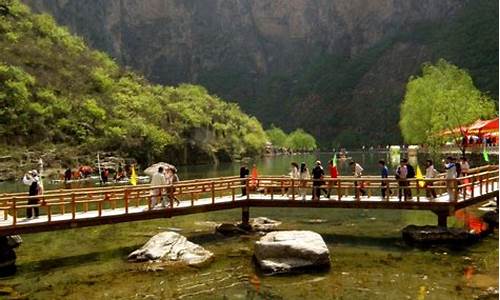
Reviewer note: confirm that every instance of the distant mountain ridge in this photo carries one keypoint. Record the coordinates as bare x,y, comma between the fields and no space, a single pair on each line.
336,68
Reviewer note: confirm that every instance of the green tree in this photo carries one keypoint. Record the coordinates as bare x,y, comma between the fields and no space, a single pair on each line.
276,136
299,140
443,98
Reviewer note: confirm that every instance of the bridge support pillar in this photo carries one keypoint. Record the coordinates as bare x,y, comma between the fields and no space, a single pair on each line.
245,218
442,217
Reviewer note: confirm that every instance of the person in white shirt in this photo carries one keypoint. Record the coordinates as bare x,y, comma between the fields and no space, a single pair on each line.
294,175
464,166
157,180
430,172
33,181
304,178
401,175
451,175
357,171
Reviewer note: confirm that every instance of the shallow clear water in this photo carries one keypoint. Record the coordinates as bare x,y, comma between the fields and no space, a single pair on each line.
369,259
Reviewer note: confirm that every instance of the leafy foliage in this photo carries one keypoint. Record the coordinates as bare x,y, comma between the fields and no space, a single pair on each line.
53,89
299,140
443,98
276,136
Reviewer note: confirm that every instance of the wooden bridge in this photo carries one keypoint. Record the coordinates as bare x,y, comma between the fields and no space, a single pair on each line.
62,209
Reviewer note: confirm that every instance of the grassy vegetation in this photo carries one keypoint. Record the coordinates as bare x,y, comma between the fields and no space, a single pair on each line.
55,90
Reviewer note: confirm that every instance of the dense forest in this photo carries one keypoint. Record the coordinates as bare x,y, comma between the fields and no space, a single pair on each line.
55,92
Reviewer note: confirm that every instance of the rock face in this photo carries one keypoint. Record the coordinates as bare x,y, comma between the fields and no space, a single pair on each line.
286,251
256,52
8,255
171,246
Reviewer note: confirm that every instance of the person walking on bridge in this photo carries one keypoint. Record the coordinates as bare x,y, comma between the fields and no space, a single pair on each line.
244,172
357,171
401,175
172,179
157,180
430,173
384,174
304,178
451,175
294,175
318,173
33,181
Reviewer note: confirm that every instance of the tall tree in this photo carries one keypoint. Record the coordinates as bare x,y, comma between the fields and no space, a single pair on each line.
442,99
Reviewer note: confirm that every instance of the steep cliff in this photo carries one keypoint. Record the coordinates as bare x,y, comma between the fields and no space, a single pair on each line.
319,64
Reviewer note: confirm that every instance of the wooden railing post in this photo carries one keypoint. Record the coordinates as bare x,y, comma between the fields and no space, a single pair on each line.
49,213
247,189
339,189
293,189
213,192
418,190
125,198
473,186
73,206
480,185
455,185
14,211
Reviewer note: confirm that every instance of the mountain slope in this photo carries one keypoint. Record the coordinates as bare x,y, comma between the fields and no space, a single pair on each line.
55,90
336,68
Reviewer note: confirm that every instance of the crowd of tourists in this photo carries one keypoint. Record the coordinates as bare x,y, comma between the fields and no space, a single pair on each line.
403,174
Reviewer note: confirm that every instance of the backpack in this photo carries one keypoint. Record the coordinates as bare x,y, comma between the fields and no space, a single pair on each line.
411,171
33,188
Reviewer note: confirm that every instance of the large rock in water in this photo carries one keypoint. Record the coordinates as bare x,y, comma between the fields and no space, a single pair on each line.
432,235
171,246
8,255
286,251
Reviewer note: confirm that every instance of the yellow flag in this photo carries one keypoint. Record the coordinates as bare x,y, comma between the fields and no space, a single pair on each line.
419,175
133,177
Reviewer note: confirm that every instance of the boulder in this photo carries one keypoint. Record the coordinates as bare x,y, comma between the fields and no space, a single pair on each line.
230,229
8,255
287,251
431,235
256,224
264,224
171,247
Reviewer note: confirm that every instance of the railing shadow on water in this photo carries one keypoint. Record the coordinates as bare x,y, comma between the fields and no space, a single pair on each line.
62,262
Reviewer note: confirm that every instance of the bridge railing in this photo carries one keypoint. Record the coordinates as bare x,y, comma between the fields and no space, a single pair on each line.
92,203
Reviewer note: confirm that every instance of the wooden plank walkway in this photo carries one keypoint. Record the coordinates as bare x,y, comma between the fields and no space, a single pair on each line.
91,207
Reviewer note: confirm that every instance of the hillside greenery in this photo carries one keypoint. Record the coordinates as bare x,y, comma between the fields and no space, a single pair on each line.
298,140
440,100
55,90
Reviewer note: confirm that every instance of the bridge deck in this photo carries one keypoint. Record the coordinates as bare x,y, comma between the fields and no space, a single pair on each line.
482,186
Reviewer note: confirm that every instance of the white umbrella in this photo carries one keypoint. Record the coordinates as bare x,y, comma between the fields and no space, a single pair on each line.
154,168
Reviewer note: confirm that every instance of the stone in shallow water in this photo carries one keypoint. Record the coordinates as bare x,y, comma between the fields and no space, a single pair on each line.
286,251
264,224
8,255
428,235
256,224
171,246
